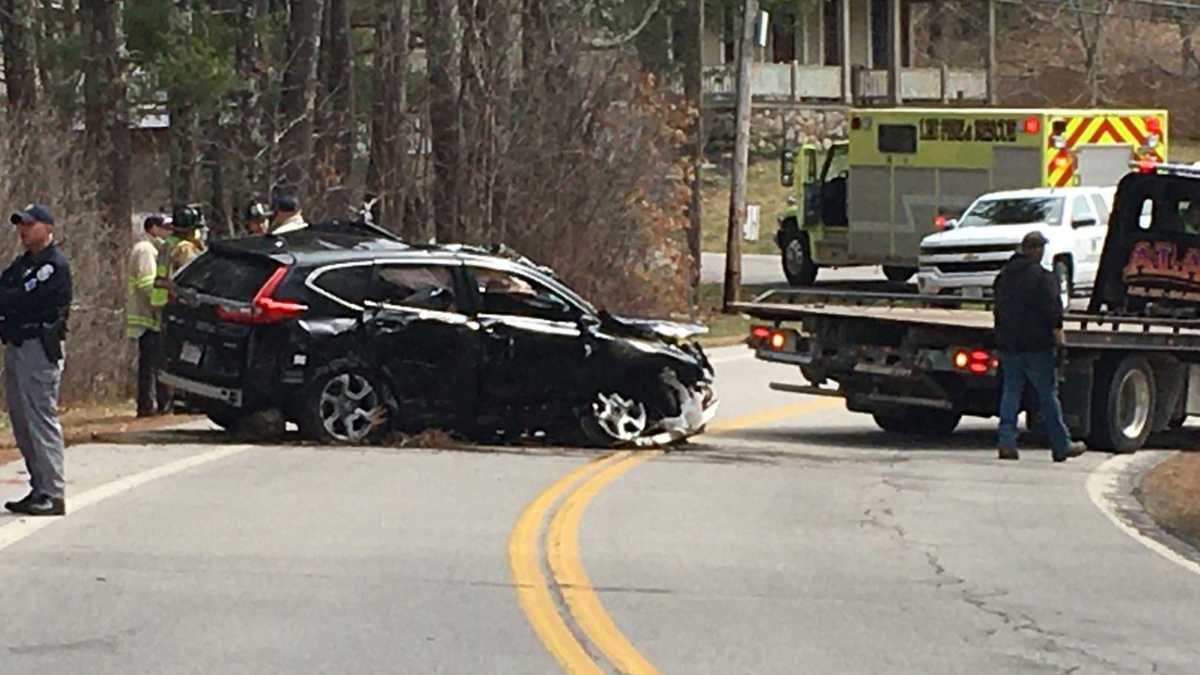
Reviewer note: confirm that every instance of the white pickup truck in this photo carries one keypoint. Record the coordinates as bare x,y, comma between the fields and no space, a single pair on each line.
964,259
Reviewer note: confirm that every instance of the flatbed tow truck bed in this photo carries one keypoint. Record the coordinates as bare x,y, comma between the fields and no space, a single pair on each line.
918,367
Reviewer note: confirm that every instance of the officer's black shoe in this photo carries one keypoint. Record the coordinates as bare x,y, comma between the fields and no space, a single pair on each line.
20,505
46,506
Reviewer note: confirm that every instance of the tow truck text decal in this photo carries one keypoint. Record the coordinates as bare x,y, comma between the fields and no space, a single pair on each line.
1165,266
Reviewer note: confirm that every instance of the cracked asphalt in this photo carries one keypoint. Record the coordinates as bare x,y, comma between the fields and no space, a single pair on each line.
811,543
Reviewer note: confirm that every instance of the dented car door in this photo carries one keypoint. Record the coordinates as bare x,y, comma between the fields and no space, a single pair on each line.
427,347
537,360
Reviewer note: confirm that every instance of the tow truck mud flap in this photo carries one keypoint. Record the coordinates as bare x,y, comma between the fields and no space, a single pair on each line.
1075,392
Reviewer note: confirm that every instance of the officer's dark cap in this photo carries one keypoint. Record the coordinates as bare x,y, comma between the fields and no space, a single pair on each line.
154,220
33,213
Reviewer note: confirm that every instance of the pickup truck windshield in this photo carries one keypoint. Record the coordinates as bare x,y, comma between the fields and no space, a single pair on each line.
1019,211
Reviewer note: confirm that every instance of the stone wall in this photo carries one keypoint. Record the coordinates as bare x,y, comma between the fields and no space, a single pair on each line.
769,127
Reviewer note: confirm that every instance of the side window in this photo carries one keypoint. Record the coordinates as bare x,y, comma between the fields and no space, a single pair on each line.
348,284
1101,209
504,293
419,286
1081,210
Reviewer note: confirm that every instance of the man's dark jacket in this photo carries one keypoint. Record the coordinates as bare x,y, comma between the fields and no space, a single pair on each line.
1027,307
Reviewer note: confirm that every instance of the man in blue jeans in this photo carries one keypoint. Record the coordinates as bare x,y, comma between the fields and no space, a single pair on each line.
1028,315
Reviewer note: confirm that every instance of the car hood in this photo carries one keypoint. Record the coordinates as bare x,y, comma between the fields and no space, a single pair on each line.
997,235
668,331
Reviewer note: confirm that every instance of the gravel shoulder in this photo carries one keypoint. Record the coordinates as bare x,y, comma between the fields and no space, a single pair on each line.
1170,492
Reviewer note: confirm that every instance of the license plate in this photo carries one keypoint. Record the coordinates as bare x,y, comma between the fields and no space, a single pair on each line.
190,353
973,292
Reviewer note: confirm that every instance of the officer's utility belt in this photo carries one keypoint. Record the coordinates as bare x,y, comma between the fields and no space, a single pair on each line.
48,334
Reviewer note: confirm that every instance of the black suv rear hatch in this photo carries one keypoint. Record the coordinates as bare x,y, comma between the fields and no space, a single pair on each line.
204,340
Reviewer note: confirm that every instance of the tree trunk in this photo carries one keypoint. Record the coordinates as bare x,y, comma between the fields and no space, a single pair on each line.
299,89
183,132
17,21
389,119
442,46
338,131
108,138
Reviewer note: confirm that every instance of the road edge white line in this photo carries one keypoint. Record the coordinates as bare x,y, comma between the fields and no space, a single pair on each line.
1110,488
22,528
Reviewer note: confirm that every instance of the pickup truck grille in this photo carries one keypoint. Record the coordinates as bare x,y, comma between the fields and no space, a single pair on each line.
968,248
970,267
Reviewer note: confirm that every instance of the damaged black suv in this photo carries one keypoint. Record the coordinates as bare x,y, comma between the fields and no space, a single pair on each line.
350,333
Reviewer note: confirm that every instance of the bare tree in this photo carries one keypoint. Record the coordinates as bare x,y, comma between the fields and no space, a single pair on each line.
183,132
107,126
16,27
442,40
334,134
390,130
298,96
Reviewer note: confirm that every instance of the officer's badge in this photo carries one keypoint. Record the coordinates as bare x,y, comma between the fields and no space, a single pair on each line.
45,272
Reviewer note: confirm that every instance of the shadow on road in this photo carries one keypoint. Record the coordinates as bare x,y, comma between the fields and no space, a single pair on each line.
870,440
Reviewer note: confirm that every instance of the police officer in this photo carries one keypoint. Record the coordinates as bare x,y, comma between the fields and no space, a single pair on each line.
35,299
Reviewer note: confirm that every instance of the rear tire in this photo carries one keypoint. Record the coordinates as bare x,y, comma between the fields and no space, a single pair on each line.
898,274
1122,405
226,418
798,265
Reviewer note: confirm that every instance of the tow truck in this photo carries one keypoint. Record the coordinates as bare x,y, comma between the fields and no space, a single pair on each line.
903,173
1130,365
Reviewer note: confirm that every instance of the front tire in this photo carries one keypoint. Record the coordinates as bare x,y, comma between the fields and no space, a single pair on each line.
1062,274
1122,405
798,265
345,404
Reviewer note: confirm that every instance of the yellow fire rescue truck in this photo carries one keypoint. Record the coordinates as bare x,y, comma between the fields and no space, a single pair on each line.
902,173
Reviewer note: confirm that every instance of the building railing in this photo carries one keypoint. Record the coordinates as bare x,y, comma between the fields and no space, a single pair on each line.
795,82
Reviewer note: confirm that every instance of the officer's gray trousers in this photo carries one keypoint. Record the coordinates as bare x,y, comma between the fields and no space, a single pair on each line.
31,387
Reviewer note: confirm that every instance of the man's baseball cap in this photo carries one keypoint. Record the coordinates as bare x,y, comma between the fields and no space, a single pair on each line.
287,203
1033,240
34,212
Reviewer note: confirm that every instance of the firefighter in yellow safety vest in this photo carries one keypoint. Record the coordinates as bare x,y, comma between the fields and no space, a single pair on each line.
143,316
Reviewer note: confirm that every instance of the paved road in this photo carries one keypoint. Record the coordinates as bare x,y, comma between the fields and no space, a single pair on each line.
760,269
795,538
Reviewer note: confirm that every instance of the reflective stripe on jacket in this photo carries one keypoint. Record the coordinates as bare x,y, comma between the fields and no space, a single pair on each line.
141,311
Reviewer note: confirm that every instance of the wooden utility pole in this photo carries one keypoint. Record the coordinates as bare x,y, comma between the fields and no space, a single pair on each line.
694,86
741,155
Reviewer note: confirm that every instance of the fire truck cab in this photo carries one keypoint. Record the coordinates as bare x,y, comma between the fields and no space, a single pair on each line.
902,173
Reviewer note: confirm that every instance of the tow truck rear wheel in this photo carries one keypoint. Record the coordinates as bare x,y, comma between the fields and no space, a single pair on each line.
798,265
918,421
1122,404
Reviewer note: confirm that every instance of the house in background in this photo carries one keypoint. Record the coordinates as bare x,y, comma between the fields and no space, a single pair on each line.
846,51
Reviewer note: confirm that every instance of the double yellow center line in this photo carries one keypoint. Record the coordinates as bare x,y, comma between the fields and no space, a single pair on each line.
566,568
591,635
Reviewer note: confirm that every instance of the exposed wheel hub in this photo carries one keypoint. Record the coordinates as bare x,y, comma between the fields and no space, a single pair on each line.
620,418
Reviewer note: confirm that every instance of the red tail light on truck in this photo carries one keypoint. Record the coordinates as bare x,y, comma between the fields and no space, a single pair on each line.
975,361
775,339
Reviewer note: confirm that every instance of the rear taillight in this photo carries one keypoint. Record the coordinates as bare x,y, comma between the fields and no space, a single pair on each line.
975,361
775,339
264,309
